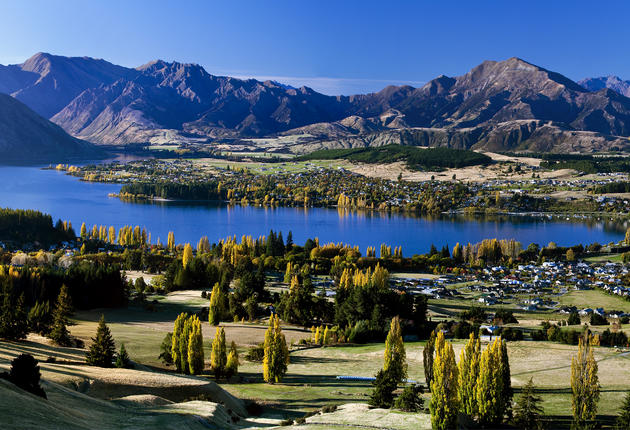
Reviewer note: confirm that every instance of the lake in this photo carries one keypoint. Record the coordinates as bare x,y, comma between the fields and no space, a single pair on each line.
67,198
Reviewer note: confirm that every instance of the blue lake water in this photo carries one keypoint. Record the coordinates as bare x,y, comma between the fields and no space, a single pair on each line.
65,197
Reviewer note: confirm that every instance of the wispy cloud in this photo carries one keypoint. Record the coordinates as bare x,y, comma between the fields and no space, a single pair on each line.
332,86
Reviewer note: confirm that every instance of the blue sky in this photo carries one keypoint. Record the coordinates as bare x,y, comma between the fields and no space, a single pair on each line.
337,47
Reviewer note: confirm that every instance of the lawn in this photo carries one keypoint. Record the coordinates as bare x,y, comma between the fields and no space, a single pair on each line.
594,299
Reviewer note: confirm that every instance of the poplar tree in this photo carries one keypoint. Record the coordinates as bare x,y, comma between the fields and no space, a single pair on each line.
178,328
170,240
427,356
276,352
103,349
395,355
506,390
493,389
218,358
188,255
444,404
195,347
231,368
183,345
584,383
83,231
216,309
468,373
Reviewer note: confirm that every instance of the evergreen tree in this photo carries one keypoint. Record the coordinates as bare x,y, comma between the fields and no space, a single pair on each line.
102,350
444,404
427,356
506,389
527,411
395,355
384,385
218,358
59,332
195,347
468,373
122,358
25,374
584,383
574,319
40,318
217,300
231,368
13,316
623,420
276,352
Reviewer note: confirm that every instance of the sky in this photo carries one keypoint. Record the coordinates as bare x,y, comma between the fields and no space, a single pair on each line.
336,47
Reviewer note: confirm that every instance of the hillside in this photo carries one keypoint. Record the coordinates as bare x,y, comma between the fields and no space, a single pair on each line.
509,104
611,82
27,137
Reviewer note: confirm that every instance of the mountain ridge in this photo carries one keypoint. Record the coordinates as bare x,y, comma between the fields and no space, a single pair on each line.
109,104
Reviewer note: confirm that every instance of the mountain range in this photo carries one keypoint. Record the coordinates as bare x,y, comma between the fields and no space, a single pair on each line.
506,105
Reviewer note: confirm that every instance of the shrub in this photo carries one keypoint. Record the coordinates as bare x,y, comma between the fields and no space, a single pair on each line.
25,374
511,334
256,353
383,393
165,349
410,400
122,359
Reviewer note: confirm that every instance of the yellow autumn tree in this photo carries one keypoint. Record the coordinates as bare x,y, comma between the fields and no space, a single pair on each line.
218,356
444,404
188,255
584,383
468,373
195,347
395,355
276,358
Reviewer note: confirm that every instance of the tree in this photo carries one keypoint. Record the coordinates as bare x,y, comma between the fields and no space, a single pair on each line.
187,256
584,383
122,359
623,420
444,404
427,356
468,373
574,319
183,345
395,355
492,391
231,368
216,309
59,332
13,316
276,357
165,349
218,357
83,231
570,255
170,241
527,411
384,385
103,349
195,347
25,374
178,328
410,400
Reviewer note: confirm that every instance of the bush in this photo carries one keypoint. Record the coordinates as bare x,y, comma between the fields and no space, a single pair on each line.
165,349
410,400
511,334
256,353
328,409
122,359
383,393
25,374
597,319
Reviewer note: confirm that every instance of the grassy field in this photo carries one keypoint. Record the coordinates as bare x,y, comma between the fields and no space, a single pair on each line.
613,258
594,299
271,168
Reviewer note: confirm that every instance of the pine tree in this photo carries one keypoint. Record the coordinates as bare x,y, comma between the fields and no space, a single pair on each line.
218,357
584,383
623,420
217,299
188,255
527,411
276,352
468,373
59,332
395,355
506,389
13,316
427,356
384,385
444,404
231,368
103,349
195,347
122,358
